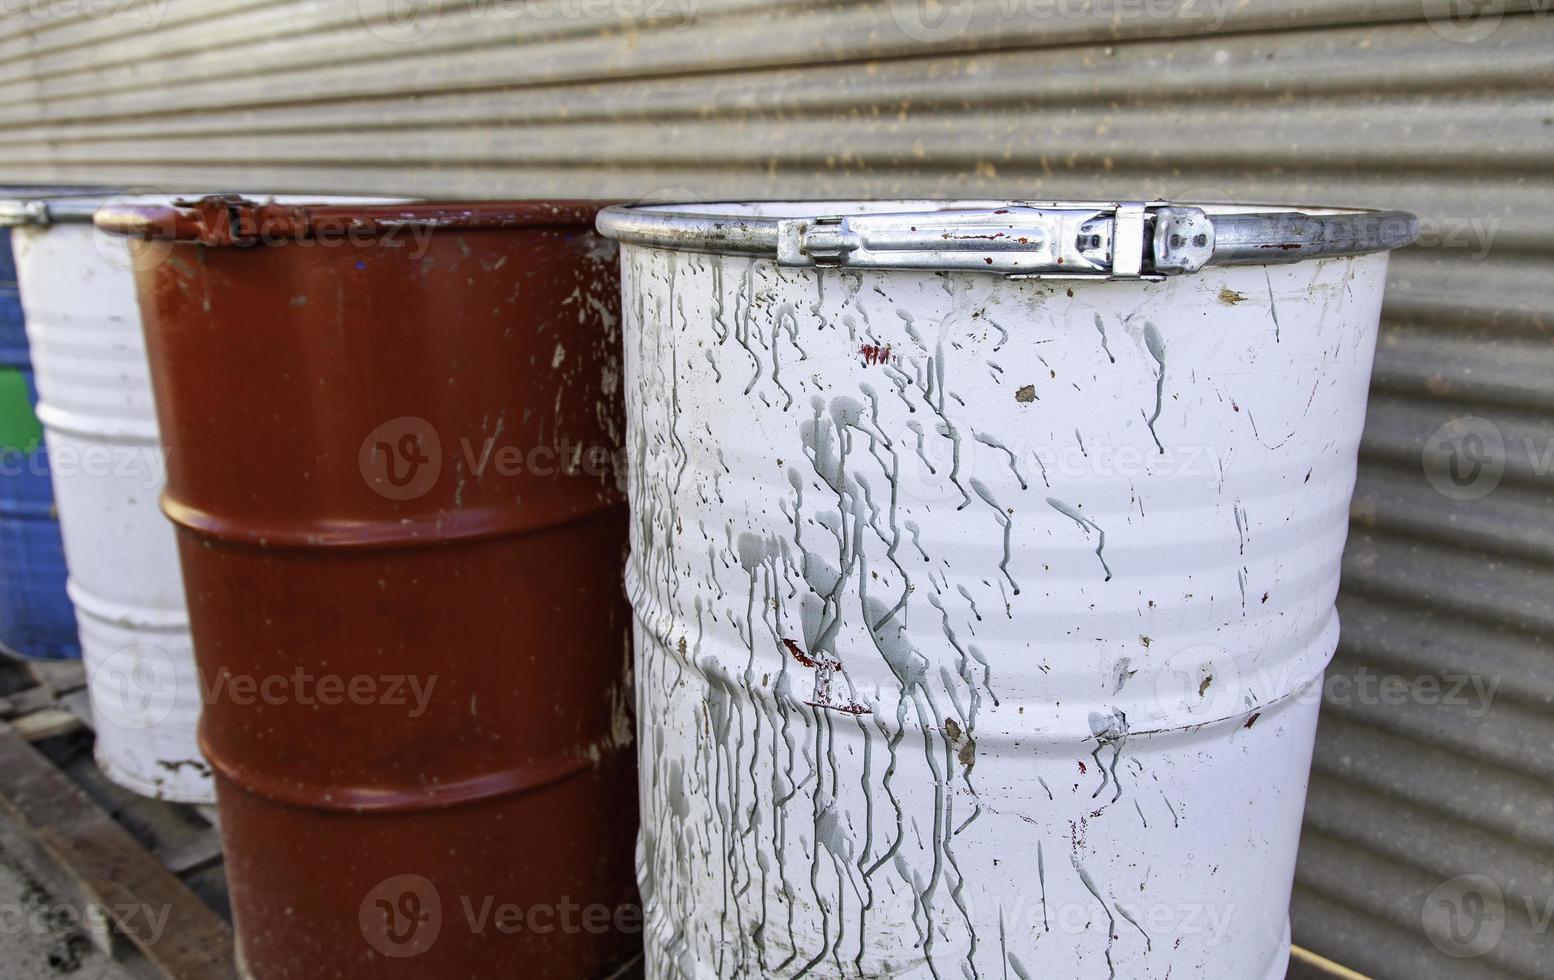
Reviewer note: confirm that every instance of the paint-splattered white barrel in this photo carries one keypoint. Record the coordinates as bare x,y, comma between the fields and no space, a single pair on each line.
981,618
95,402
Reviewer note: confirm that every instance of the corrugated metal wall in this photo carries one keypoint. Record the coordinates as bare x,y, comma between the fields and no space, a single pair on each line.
1443,107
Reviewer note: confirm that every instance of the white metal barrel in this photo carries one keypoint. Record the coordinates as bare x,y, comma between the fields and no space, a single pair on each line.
95,402
984,557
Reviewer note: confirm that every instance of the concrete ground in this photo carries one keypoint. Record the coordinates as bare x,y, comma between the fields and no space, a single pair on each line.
37,938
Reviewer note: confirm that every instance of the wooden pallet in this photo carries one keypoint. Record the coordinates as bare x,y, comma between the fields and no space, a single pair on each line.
93,846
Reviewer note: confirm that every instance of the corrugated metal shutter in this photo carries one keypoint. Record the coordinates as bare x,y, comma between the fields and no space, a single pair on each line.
1386,103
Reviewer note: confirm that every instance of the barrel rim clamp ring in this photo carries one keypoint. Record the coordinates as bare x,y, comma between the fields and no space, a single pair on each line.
1134,240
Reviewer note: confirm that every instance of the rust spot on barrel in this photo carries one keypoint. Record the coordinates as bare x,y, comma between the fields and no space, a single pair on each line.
806,660
875,353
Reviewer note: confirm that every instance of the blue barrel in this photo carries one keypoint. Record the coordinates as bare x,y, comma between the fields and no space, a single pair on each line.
36,618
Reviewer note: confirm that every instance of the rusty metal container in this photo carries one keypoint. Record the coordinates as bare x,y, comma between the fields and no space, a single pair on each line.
389,431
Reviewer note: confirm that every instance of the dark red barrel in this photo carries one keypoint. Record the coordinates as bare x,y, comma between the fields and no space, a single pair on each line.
390,433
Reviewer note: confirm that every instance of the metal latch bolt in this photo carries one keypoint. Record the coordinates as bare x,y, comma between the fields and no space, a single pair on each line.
1103,241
